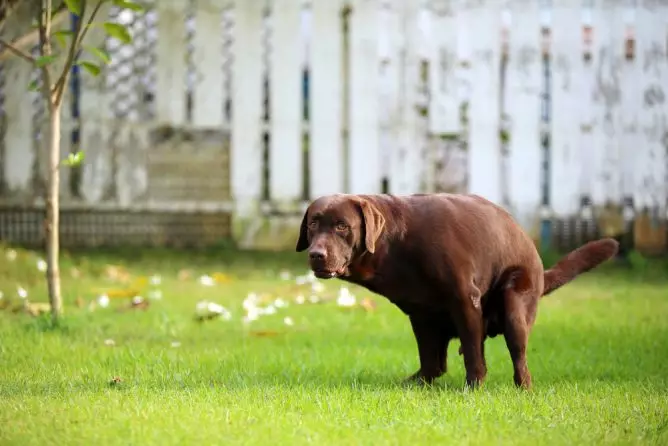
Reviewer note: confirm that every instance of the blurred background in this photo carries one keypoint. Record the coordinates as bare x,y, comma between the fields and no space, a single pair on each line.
222,119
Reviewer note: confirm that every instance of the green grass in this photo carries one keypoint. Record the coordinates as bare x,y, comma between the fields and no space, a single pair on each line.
598,355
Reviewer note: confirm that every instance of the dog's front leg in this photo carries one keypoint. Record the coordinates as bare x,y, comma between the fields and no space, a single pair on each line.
432,342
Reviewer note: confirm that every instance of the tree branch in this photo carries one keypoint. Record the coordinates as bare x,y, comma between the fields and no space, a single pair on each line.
30,38
75,46
13,48
44,18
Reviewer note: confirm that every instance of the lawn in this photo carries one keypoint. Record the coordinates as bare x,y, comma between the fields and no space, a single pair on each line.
311,371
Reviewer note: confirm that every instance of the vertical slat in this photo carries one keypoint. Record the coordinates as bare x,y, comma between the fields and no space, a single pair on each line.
390,82
18,135
524,82
650,169
326,166
209,96
631,104
94,127
444,104
484,23
170,67
246,163
364,127
606,94
407,155
567,91
285,152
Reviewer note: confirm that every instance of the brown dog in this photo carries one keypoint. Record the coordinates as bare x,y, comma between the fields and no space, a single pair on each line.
458,265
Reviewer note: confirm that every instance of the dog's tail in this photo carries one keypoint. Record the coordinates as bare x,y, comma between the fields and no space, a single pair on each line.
579,261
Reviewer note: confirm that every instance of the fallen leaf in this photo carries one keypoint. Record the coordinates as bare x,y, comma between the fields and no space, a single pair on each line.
221,278
37,308
368,304
266,333
116,380
184,274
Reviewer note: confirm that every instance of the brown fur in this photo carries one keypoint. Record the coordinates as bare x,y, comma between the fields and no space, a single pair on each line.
458,265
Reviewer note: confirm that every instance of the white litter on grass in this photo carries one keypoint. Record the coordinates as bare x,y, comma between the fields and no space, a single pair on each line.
41,265
2,295
269,309
300,299
317,287
314,299
206,280
280,303
345,298
103,301
175,344
288,321
285,275
155,294
155,280
109,342
21,292
251,301
11,255
205,308
137,300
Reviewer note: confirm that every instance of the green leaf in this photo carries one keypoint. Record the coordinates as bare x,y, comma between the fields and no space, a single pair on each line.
89,66
99,53
43,61
73,159
118,32
125,4
33,86
74,6
61,37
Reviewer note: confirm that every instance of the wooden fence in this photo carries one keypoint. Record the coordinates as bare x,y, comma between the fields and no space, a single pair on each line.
225,117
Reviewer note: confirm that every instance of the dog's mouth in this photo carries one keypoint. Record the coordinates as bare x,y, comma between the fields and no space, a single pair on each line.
322,273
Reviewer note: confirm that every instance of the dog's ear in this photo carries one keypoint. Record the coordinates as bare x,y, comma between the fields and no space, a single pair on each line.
302,243
374,223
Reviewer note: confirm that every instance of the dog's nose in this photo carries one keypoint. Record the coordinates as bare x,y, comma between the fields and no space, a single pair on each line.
318,254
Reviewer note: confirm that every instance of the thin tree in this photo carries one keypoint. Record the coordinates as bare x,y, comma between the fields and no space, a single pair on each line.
63,47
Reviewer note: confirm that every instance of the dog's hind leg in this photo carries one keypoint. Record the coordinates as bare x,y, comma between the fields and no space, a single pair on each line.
467,314
516,333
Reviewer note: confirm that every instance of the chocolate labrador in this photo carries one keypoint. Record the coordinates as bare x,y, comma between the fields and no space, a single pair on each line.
458,266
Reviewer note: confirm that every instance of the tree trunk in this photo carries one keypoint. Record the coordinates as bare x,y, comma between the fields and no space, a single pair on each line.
52,213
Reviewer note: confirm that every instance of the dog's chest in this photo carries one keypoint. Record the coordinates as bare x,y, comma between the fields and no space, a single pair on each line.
402,284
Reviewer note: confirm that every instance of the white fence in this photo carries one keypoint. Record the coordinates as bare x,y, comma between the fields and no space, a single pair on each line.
540,107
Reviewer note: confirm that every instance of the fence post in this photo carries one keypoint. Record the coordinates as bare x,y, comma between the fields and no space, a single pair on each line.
406,162
18,138
524,87
94,127
566,97
364,124
484,155
171,67
208,95
246,151
286,151
326,166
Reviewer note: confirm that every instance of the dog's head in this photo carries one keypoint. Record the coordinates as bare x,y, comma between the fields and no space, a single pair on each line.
336,229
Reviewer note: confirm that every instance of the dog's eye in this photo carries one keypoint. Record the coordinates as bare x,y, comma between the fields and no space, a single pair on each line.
313,224
341,226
